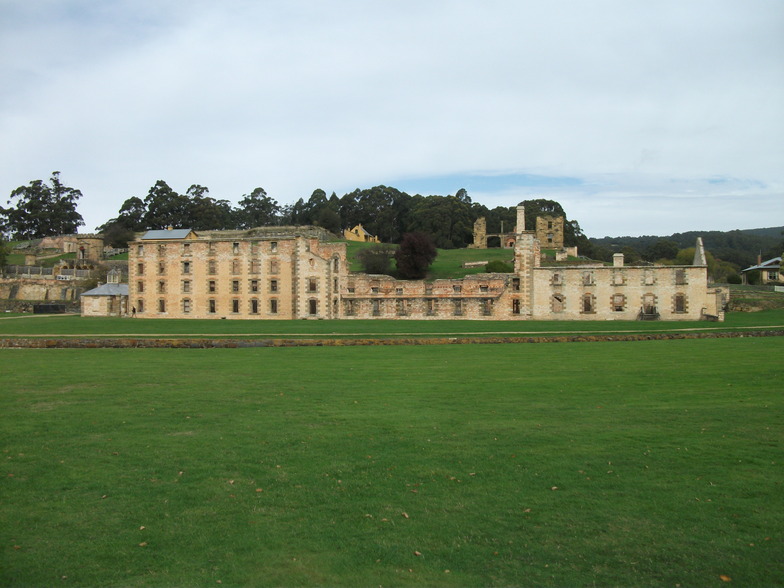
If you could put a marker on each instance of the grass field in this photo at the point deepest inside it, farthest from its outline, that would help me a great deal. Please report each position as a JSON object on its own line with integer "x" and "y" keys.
{"x": 634, "y": 464}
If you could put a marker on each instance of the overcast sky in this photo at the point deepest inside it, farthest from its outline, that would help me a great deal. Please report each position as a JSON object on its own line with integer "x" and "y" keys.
{"x": 639, "y": 117}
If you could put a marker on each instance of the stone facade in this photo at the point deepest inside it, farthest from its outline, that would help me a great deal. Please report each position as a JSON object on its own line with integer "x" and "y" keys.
{"x": 550, "y": 231}
{"x": 292, "y": 275}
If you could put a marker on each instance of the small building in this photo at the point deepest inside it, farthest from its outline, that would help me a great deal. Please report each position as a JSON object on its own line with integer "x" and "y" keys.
{"x": 359, "y": 233}
{"x": 769, "y": 271}
{"x": 110, "y": 299}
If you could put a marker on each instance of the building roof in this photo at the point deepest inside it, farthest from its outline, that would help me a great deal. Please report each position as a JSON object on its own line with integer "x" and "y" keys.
{"x": 108, "y": 290}
{"x": 167, "y": 234}
{"x": 773, "y": 263}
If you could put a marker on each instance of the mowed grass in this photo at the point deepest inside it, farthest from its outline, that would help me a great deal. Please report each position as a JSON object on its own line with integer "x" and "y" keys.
{"x": 635, "y": 464}
{"x": 71, "y": 325}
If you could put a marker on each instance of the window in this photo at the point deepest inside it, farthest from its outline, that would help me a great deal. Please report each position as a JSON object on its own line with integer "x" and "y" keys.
{"x": 618, "y": 302}
{"x": 235, "y": 286}
{"x": 212, "y": 267}
{"x": 648, "y": 278}
{"x": 335, "y": 284}
{"x": 618, "y": 279}
{"x": 587, "y": 278}
{"x": 273, "y": 285}
{"x": 186, "y": 267}
{"x": 186, "y": 305}
{"x": 458, "y": 306}
{"x": 401, "y": 307}
{"x": 515, "y": 306}
{"x": 557, "y": 279}
{"x": 186, "y": 248}
{"x": 235, "y": 248}
{"x": 140, "y": 305}
{"x": 255, "y": 266}
{"x": 140, "y": 249}
{"x": 588, "y": 303}
{"x": 487, "y": 306}
{"x": 483, "y": 288}
{"x": 254, "y": 247}
{"x": 313, "y": 306}
{"x": 457, "y": 289}
{"x": 515, "y": 284}
{"x": 349, "y": 306}
{"x": 274, "y": 306}
{"x": 773, "y": 276}
{"x": 680, "y": 302}
{"x": 211, "y": 286}
{"x": 161, "y": 249}
{"x": 274, "y": 266}
{"x": 235, "y": 306}
{"x": 211, "y": 248}
{"x": 254, "y": 285}
{"x": 649, "y": 304}
{"x": 376, "y": 307}
{"x": 680, "y": 277}
{"x": 161, "y": 286}
{"x": 558, "y": 302}
{"x": 312, "y": 284}
{"x": 161, "y": 267}
{"x": 235, "y": 266}
{"x": 374, "y": 290}
{"x": 254, "y": 306}
{"x": 273, "y": 246}
{"x": 335, "y": 264}
{"x": 430, "y": 306}
{"x": 186, "y": 285}
{"x": 351, "y": 289}
{"x": 211, "y": 307}
{"x": 398, "y": 290}
{"x": 140, "y": 286}
{"x": 161, "y": 305}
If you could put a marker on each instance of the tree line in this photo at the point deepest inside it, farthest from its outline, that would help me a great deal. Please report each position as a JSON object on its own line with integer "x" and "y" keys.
{"x": 40, "y": 209}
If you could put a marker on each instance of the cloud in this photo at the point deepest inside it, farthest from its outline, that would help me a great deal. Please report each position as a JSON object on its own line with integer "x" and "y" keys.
{"x": 635, "y": 102}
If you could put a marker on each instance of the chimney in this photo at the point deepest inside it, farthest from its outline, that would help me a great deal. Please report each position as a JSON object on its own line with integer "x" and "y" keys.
{"x": 520, "y": 219}
{"x": 617, "y": 259}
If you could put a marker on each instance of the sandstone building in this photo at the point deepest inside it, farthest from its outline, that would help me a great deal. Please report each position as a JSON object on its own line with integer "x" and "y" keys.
{"x": 277, "y": 273}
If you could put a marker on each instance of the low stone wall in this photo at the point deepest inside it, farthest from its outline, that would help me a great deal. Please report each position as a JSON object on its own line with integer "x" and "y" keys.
{"x": 191, "y": 343}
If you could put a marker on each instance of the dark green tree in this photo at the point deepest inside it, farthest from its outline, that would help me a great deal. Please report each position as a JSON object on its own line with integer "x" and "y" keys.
{"x": 382, "y": 210}
{"x": 414, "y": 256}
{"x": 662, "y": 249}
{"x": 447, "y": 219}
{"x": 257, "y": 209}
{"x": 42, "y": 210}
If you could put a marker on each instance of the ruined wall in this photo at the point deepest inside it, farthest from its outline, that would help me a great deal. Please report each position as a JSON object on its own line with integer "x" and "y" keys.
{"x": 38, "y": 290}
{"x": 620, "y": 293}
{"x": 550, "y": 231}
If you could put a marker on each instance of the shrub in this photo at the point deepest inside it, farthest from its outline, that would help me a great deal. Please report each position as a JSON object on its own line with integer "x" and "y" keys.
{"x": 499, "y": 267}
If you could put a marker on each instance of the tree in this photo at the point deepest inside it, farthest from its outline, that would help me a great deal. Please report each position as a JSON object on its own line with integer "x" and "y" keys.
{"x": 42, "y": 210}
{"x": 662, "y": 249}
{"x": 447, "y": 219}
{"x": 377, "y": 258}
{"x": 4, "y": 250}
{"x": 414, "y": 256}
{"x": 257, "y": 210}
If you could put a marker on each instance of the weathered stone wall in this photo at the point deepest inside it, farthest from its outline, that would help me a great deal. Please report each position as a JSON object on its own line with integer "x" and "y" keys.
{"x": 550, "y": 231}
{"x": 39, "y": 290}
{"x": 236, "y": 277}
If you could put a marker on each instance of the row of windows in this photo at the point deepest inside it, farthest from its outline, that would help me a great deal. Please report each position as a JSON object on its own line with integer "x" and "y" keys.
{"x": 619, "y": 278}
{"x": 212, "y": 247}
{"x": 619, "y": 303}
{"x": 186, "y": 267}
{"x": 235, "y": 286}
{"x": 431, "y": 306}
{"x": 213, "y": 306}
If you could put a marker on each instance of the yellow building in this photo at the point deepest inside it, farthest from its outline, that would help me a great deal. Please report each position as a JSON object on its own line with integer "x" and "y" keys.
{"x": 359, "y": 233}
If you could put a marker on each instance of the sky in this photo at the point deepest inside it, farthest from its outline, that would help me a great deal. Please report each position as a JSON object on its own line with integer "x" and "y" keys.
{"x": 639, "y": 117}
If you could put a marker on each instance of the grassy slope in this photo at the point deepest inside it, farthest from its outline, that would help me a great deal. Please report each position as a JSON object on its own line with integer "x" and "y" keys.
{"x": 572, "y": 464}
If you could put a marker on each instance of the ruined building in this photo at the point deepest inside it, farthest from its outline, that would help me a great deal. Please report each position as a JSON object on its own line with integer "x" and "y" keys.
{"x": 278, "y": 273}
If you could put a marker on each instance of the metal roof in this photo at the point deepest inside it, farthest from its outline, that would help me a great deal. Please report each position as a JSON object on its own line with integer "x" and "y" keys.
{"x": 772, "y": 263}
{"x": 108, "y": 290}
{"x": 167, "y": 234}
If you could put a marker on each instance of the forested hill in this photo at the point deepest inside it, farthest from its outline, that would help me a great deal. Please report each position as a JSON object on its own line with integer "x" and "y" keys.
{"x": 741, "y": 246}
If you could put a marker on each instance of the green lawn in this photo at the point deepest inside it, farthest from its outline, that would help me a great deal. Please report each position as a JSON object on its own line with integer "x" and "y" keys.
{"x": 75, "y": 325}
{"x": 632, "y": 464}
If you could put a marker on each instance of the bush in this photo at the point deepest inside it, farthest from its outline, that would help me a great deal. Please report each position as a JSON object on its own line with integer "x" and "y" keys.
{"x": 377, "y": 259}
{"x": 734, "y": 279}
{"x": 414, "y": 256}
{"x": 499, "y": 267}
